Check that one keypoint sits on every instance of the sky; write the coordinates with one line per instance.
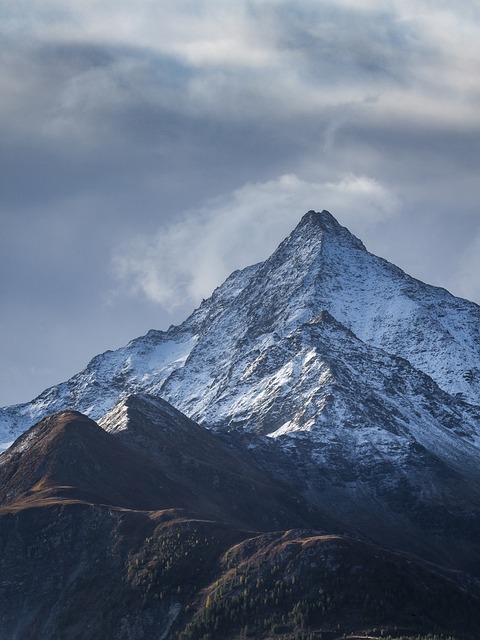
(148, 149)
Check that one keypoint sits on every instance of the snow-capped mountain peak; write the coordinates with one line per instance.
(239, 356)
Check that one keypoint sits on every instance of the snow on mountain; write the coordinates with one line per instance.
(143, 365)
(255, 355)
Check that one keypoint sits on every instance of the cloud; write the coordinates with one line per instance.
(103, 79)
(233, 59)
(465, 281)
(189, 257)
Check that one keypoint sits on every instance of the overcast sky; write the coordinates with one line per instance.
(150, 148)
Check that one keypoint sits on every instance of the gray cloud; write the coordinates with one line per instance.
(202, 132)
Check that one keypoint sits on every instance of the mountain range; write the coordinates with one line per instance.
(333, 408)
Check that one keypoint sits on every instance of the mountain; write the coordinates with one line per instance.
(337, 374)
(147, 456)
(208, 364)
(102, 535)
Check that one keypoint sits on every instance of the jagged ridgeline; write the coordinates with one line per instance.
(325, 481)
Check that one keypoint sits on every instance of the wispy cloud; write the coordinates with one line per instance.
(189, 257)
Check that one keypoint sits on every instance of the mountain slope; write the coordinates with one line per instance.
(67, 456)
(81, 555)
(148, 456)
(223, 483)
(142, 366)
